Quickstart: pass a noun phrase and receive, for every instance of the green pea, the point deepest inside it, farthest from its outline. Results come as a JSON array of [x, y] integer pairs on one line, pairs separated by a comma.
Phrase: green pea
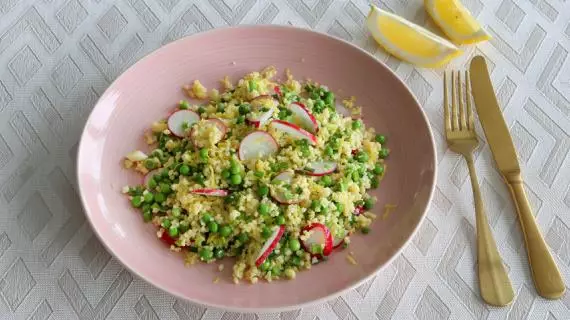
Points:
[[280, 220], [183, 105], [294, 245], [148, 197], [243, 238], [235, 179], [275, 271], [150, 164], [383, 153], [183, 226], [339, 207], [166, 223], [204, 153], [184, 170], [226, 174], [263, 209], [147, 216], [362, 156], [380, 138], [137, 201], [265, 265], [378, 169], [235, 168], [173, 231], [258, 174], [368, 203], [159, 197], [266, 232], [329, 98], [262, 190], [316, 205], [251, 85], [365, 230], [243, 109], [213, 226], [201, 110], [206, 254], [314, 95], [356, 124], [220, 107], [152, 183], [199, 178], [207, 218], [219, 253], [296, 261], [374, 183], [225, 231], [329, 151], [326, 181], [164, 187], [240, 119], [146, 207]]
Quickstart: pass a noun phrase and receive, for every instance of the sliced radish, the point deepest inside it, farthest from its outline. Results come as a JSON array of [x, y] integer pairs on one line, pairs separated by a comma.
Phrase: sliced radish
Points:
[[270, 244], [258, 144], [257, 117], [220, 124], [167, 238], [211, 122], [149, 176], [137, 155], [320, 168], [293, 130], [303, 117], [320, 235], [358, 210], [260, 119], [277, 90], [284, 177], [211, 192], [178, 119], [337, 242], [342, 110]]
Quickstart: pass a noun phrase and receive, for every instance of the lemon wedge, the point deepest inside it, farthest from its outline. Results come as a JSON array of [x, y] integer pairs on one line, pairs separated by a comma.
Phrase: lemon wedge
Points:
[[408, 41], [456, 21]]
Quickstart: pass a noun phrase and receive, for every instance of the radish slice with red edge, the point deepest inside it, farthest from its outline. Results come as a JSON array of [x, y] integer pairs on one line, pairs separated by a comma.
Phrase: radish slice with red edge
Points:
[[214, 122], [320, 168], [337, 242], [211, 192], [303, 118], [258, 144], [320, 235], [358, 210], [293, 130], [166, 238], [270, 244], [284, 177], [149, 176], [259, 118], [178, 119]]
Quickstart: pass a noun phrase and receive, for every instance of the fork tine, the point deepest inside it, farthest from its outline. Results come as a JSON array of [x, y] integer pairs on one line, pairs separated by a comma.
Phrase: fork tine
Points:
[[446, 119], [454, 120], [462, 120], [470, 117]]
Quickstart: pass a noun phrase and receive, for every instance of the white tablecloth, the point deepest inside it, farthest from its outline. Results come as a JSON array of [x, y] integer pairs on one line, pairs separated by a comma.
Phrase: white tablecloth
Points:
[[58, 56]]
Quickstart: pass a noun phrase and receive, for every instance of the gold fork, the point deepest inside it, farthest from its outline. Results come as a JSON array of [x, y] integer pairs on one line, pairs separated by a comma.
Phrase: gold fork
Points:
[[494, 283]]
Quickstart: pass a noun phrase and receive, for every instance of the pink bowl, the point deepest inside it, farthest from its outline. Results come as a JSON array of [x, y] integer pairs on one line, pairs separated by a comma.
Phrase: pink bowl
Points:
[[150, 88]]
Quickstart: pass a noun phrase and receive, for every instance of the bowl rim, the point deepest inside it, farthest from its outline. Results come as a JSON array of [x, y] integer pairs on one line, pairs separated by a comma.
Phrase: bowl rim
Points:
[[323, 299]]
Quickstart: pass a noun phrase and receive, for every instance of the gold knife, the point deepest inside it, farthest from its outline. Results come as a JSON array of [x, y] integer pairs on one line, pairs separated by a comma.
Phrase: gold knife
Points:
[[545, 273]]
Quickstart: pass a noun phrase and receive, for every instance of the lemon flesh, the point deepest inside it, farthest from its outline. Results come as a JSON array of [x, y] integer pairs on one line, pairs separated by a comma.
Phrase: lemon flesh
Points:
[[408, 41], [456, 21]]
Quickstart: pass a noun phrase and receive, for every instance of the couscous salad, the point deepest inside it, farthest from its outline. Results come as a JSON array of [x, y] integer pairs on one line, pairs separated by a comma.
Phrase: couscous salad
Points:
[[273, 173]]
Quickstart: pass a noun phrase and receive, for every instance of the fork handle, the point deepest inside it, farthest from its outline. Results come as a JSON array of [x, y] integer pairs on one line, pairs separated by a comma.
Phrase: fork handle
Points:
[[494, 283], [545, 273]]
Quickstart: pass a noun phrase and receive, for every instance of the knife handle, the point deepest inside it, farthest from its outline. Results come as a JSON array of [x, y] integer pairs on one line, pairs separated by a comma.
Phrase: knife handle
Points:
[[545, 273]]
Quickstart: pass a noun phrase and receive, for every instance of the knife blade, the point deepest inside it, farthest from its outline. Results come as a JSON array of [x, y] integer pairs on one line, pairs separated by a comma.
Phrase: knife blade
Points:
[[491, 118], [545, 274]]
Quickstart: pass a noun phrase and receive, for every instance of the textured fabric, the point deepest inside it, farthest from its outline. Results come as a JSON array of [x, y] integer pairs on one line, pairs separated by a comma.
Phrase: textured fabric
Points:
[[58, 56]]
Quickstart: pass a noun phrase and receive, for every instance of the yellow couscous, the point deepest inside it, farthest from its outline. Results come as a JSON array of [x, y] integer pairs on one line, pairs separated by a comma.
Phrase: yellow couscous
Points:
[[273, 173]]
